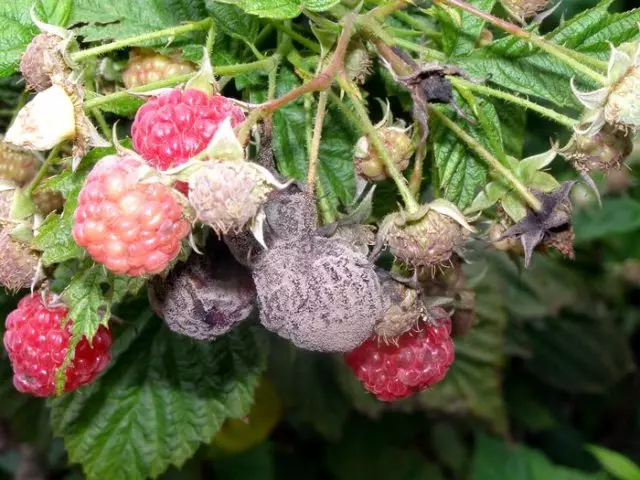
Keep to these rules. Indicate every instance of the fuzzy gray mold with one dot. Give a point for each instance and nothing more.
(204, 298)
(318, 293)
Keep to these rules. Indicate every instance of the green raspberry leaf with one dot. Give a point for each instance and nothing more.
(17, 31)
(85, 299)
(461, 30)
(233, 21)
(495, 458)
(162, 397)
(282, 8)
(118, 19)
(56, 12)
(515, 64)
(461, 171)
(307, 384)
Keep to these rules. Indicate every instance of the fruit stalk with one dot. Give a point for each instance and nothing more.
(536, 40)
(493, 162)
(44, 169)
(126, 42)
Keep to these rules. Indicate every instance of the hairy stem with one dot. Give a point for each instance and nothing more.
(314, 149)
(127, 42)
(493, 162)
(538, 41)
(44, 169)
(238, 69)
(508, 97)
(370, 131)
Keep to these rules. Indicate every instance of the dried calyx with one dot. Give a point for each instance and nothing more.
(550, 226)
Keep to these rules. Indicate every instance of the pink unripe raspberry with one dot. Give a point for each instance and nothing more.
(132, 228)
(37, 344)
(177, 125)
(416, 360)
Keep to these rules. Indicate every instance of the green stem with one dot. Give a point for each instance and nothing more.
(127, 42)
(314, 149)
(493, 162)
(434, 54)
(518, 32)
(370, 131)
(102, 123)
(417, 24)
(44, 169)
(304, 41)
(492, 92)
(211, 39)
(238, 69)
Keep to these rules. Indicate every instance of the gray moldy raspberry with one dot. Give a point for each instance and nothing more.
(204, 297)
(318, 293)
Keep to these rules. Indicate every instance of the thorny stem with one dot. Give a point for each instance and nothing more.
(44, 169)
(238, 69)
(319, 83)
(518, 32)
(127, 42)
(492, 92)
(370, 131)
(314, 149)
(493, 162)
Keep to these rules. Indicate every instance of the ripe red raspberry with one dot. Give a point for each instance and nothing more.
(177, 125)
(37, 345)
(132, 228)
(418, 359)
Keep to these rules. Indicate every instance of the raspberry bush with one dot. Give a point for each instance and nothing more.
(319, 239)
